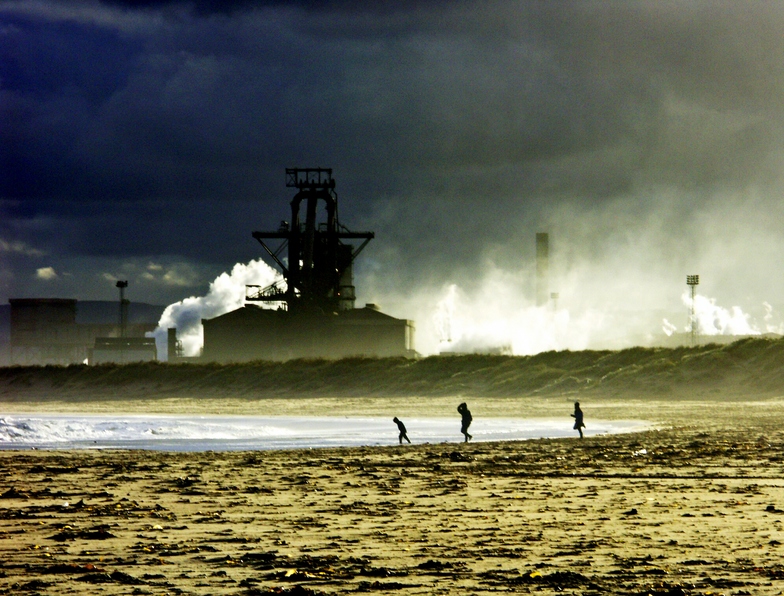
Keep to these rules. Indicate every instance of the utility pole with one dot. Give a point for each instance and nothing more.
(693, 281)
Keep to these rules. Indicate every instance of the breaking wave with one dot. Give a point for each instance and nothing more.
(232, 433)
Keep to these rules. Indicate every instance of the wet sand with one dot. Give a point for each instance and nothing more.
(693, 508)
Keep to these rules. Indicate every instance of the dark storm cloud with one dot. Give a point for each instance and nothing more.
(159, 131)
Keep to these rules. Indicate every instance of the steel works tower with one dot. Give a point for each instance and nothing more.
(319, 270)
(315, 315)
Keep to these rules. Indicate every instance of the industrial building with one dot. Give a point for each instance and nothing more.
(254, 333)
(122, 350)
(125, 348)
(47, 331)
(312, 313)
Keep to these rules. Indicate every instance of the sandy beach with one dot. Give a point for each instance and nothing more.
(693, 507)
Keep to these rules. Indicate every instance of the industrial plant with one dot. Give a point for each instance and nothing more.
(311, 313)
(65, 331)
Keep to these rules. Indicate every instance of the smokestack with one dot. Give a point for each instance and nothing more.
(542, 268)
(123, 307)
(171, 344)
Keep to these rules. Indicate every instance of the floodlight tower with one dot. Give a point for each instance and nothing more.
(693, 281)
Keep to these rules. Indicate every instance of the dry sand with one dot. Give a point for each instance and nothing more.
(695, 507)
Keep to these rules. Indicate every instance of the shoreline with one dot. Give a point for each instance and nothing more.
(177, 432)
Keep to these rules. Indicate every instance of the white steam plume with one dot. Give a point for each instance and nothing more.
(493, 314)
(508, 327)
(445, 314)
(491, 321)
(225, 294)
(716, 320)
(770, 325)
(712, 319)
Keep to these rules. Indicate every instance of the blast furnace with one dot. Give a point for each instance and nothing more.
(311, 313)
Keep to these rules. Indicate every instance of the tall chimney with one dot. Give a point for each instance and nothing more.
(123, 307)
(171, 344)
(542, 268)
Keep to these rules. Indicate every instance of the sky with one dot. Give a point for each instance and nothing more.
(146, 141)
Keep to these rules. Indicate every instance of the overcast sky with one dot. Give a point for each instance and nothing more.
(147, 140)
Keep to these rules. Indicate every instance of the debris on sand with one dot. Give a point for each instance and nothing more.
(550, 516)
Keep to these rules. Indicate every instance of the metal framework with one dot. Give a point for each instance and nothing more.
(319, 268)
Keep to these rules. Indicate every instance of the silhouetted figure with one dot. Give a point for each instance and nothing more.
(466, 420)
(402, 428)
(579, 425)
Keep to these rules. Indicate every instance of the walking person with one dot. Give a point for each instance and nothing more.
(466, 418)
(579, 425)
(402, 428)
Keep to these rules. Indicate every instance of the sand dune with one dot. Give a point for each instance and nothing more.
(752, 366)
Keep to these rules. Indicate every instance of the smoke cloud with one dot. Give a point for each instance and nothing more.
(715, 320)
(226, 293)
(646, 137)
(710, 319)
(498, 316)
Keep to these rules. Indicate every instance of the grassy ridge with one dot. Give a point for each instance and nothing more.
(747, 367)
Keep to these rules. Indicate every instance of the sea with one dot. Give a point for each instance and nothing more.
(241, 433)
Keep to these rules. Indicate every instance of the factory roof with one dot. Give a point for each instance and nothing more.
(248, 313)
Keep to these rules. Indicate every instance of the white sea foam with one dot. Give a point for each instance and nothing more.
(233, 433)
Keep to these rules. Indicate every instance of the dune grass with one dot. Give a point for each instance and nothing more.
(749, 366)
